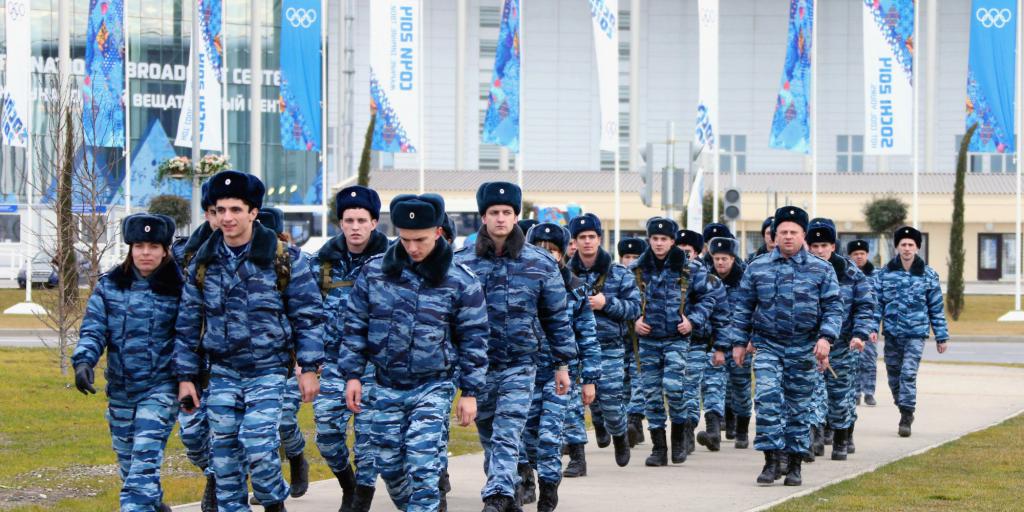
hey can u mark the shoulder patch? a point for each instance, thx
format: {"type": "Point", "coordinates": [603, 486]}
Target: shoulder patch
{"type": "Point", "coordinates": [466, 269]}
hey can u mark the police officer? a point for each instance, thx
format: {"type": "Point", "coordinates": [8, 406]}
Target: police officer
{"type": "Point", "coordinates": [130, 315]}
{"type": "Point", "coordinates": [249, 303]}
{"type": "Point", "coordinates": [789, 305]}
{"type": "Point", "coordinates": [615, 301]}
{"type": "Point", "coordinates": [418, 316]}
{"type": "Point", "coordinates": [692, 243]}
{"type": "Point", "coordinates": [769, 239]}
{"type": "Point", "coordinates": [335, 267]}
{"type": "Point", "coordinates": [676, 299]}
{"type": "Point", "coordinates": [909, 303]}
{"type": "Point", "coordinates": [522, 285]}
{"type": "Point", "coordinates": [858, 318]}
{"type": "Point", "coordinates": [858, 252]}
{"type": "Point", "coordinates": [629, 250]}
{"type": "Point", "coordinates": [715, 378]}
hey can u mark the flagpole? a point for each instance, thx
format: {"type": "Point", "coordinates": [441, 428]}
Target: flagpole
{"type": "Point", "coordinates": [1020, 152]}
{"type": "Point", "coordinates": [323, 118]}
{"type": "Point", "coordinates": [224, 82]}
{"type": "Point", "coordinates": [196, 152]}
{"type": "Point", "coordinates": [127, 115]}
{"type": "Point", "coordinates": [522, 87]}
{"type": "Point", "coordinates": [420, 85]}
{"type": "Point", "coordinates": [814, 109]}
{"type": "Point", "coordinates": [915, 151]}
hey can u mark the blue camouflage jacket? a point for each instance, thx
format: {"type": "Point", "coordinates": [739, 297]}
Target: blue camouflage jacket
{"type": "Point", "coordinates": [521, 285]}
{"type": "Point", "coordinates": [723, 340]}
{"type": "Point", "coordinates": [416, 322]}
{"type": "Point", "coordinates": [622, 297]}
{"type": "Point", "coordinates": [133, 320]}
{"type": "Point", "coordinates": [240, 319]}
{"type": "Point", "coordinates": [787, 300]}
{"type": "Point", "coordinates": [910, 302]}
{"type": "Point", "coordinates": [858, 301]}
{"type": "Point", "coordinates": [186, 248]}
{"type": "Point", "coordinates": [661, 293]}
{"type": "Point", "coordinates": [871, 274]}
{"type": "Point", "coordinates": [584, 326]}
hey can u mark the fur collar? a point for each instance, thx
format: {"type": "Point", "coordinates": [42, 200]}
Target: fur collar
{"type": "Point", "coordinates": [916, 268]}
{"type": "Point", "coordinates": [262, 249]}
{"type": "Point", "coordinates": [676, 260]}
{"type": "Point", "coordinates": [601, 265]}
{"type": "Point", "coordinates": [735, 275]}
{"type": "Point", "coordinates": [336, 249]}
{"type": "Point", "coordinates": [165, 280]}
{"type": "Point", "coordinates": [434, 268]}
{"type": "Point", "coordinates": [573, 284]}
{"type": "Point", "coordinates": [198, 237]}
{"type": "Point", "coordinates": [839, 264]}
{"type": "Point", "coordinates": [868, 268]}
{"type": "Point", "coordinates": [513, 244]}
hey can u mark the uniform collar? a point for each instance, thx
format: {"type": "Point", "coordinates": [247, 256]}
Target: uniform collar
{"type": "Point", "coordinates": [916, 268]}
{"type": "Point", "coordinates": [799, 257]}
{"type": "Point", "coordinates": [601, 264]}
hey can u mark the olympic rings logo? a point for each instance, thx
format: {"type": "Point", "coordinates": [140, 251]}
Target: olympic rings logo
{"type": "Point", "coordinates": [299, 17]}
{"type": "Point", "coordinates": [18, 10]}
{"type": "Point", "coordinates": [993, 17]}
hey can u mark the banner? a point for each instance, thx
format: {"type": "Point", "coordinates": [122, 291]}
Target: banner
{"type": "Point", "coordinates": [300, 99]}
{"type": "Point", "coordinates": [888, 77]}
{"type": "Point", "coordinates": [501, 124]}
{"type": "Point", "coordinates": [990, 75]}
{"type": "Point", "coordinates": [154, 149]}
{"type": "Point", "coordinates": [211, 76]}
{"type": "Point", "coordinates": [396, 66]}
{"type": "Point", "coordinates": [17, 98]}
{"type": "Point", "coordinates": [605, 15]}
{"type": "Point", "coordinates": [707, 86]}
{"type": "Point", "coordinates": [103, 96]}
{"type": "Point", "coordinates": [791, 126]}
{"type": "Point", "coordinates": [695, 205]}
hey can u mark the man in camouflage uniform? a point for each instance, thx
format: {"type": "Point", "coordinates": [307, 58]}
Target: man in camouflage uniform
{"type": "Point", "coordinates": [789, 305]}
{"type": "Point", "coordinates": [859, 252]}
{"type": "Point", "coordinates": [909, 303]}
{"type": "Point", "coordinates": [418, 316]}
{"type": "Point", "coordinates": [629, 250]}
{"type": "Point", "coordinates": [249, 304]}
{"type": "Point", "coordinates": [692, 243]}
{"type": "Point", "coordinates": [714, 378]}
{"type": "Point", "coordinates": [676, 299]}
{"type": "Point", "coordinates": [522, 285]}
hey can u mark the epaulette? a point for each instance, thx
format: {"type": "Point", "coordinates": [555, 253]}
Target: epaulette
{"type": "Point", "coordinates": [466, 268]}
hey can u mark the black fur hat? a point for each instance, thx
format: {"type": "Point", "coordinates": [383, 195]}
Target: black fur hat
{"type": "Point", "coordinates": [358, 196]}
{"type": "Point", "coordinates": [633, 246]}
{"type": "Point", "coordinates": [723, 245]}
{"type": "Point", "coordinates": [789, 214]}
{"type": "Point", "coordinates": [147, 227]}
{"type": "Point", "coordinates": [548, 232]}
{"type": "Point", "coordinates": [906, 232]}
{"type": "Point", "coordinates": [821, 230]}
{"type": "Point", "coordinates": [409, 211]}
{"type": "Point", "coordinates": [499, 192]}
{"type": "Point", "coordinates": [857, 245]}
{"type": "Point", "coordinates": [585, 222]}
{"type": "Point", "coordinates": [691, 238]}
{"type": "Point", "coordinates": [236, 185]}
{"type": "Point", "coordinates": [661, 226]}
{"type": "Point", "coordinates": [272, 218]}
{"type": "Point", "coordinates": [715, 230]}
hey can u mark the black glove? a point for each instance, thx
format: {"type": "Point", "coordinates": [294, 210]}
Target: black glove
{"type": "Point", "coordinates": [84, 378]}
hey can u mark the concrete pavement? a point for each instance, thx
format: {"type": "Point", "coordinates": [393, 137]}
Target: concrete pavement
{"type": "Point", "coordinates": [952, 401]}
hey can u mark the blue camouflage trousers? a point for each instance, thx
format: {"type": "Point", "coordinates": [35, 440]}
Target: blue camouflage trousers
{"type": "Point", "coordinates": [783, 394]}
{"type": "Point", "coordinates": [868, 369]}
{"type": "Point", "coordinates": [245, 414]}
{"type": "Point", "coordinates": [331, 416]}
{"type": "Point", "coordinates": [611, 397]}
{"type": "Point", "coordinates": [409, 435]}
{"type": "Point", "coordinates": [663, 369]}
{"type": "Point", "coordinates": [842, 395]}
{"type": "Point", "coordinates": [502, 407]}
{"type": "Point", "coordinates": [542, 437]}
{"type": "Point", "coordinates": [902, 359]}
{"type": "Point", "coordinates": [696, 360]}
{"type": "Point", "coordinates": [574, 429]}
{"type": "Point", "coordinates": [819, 402]}
{"type": "Point", "coordinates": [739, 391]}
{"type": "Point", "coordinates": [712, 386]}
{"type": "Point", "coordinates": [138, 432]}
{"type": "Point", "coordinates": [291, 436]}
{"type": "Point", "coordinates": [636, 394]}
{"type": "Point", "coordinates": [194, 431]}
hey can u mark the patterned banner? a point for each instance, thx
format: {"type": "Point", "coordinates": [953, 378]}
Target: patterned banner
{"type": "Point", "coordinates": [396, 66]}
{"type": "Point", "coordinates": [103, 107]}
{"type": "Point", "coordinates": [17, 98]}
{"type": "Point", "coordinates": [990, 75]}
{"type": "Point", "coordinates": [501, 125]}
{"type": "Point", "coordinates": [300, 99]}
{"type": "Point", "coordinates": [707, 106]}
{"type": "Point", "coordinates": [791, 127]}
{"type": "Point", "coordinates": [605, 14]}
{"type": "Point", "coordinates": [211, 76]}
{"type": "Point", "coordinates": [888, 76]}
{"type": "Point", "coordinates": [154, 149]}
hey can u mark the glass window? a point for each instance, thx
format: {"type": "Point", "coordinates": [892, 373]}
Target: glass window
{"type": "Point", "coordinates": [10, 228]}
{"type": "Point", "coordinates": [849, 153]}
{"type": "Point", "coordinates": [732, 153]}
{"type": "Point", "coordinates": [989, 257]}
{"type": "Point", "coordinates": [1009, 249]}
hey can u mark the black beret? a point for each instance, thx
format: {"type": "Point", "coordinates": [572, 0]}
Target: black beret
{"type": "Point", "coordinates": [526, 224]}
{"type": "Point", "coordinates": [236, 185]}
{"type": "Point", "coordinates": [585, 222]}
{"type": "Point", "coordinates": [715, 230]}
{"type": "Point", "coordinates": [661, 226]}
{"type": "Point", "coordinates": [907, 232]}
{"type": "Point", "coordinates": [358, 196]}
{"type": "Point", "coordinates": [272, 218]}
{"type": "Point", "coordinates": [147, 227]}
{"type": "Point", "coordinates": [631, 246]}
{"type": "Point", "coordinates": [789, 214]}
{"type": "Point", "coordinates": [691, 238]}
{"type": "Point", "coordinates": [548, 232]}
{"type": "Point", "coordinates": [204, 197]}
{"type": "Point", "coordinates": [499, 192]}
{"type": "Point", "coordinates": [821, 230]}
{"type": "Point", "coordinates": [767, 224]}
{"type": "Point", "coordinates": [448, 227]}
{"type": "Point", "coordinates": [857, 245]}
{"type": "Point", "coordinates": [424, 211]}
{"type": "Point", "coordinates": [721, 244]}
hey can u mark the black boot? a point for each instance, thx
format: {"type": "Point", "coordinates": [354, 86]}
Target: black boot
{"type": "Point", "coordinates": [742, 428]}
{"type": "Point", "coordinates": [165, 507]}
{"type": "Point", "coordinates": [621, 450]}
{"type": "Point", "coordinates": [850, 447]}
{"type": "Point", "coordinates": [603, 439]}
{"type": "Point", "coordinates": [526, 492]}
{"type": "Point", "coordinates": [499, 503]}
{"type": "Point", "coordinates": [783, 462]}
{"type": "Point", "coordinates": [659, 453]}
{"type": "Point", "coordinates": [828, 434]}
{"type": "Point", "coordinates": [870, 401]}
{"type": "Point", "coordinates": [577, 466]}
{"type": "Point", "coordinates": [906, 419]}
{"type": "Point", "coordinates": [635, 429]}
{"type": "Point", "coordinates": [299, 475]}
{"type": "Point", "coordinates": [548, 495]}
{"type": "Point", "coordinates": [793, 474]}
{"type": "Point", "coordinates": [275, 507]}
{"type": "Point", "coordinates": [679, 442]}
{"type": "Point", "coordinates": [730, 424]}
{"type": "Point", "coordinates": [839, 444]}
{"type": "Point", "coordinates": [817, 441]}
{"type": "Point", "coordinates": [444, 486]}
{"type": "Point", "coordinates": [769, 473]}
{"type": "Point", "coordinates": [711, 436]}
{"type": "Point", "coordinates": [347, 481]}
{"type": "Point", "coordinates": [209, 503]}
{"type": "Point", "coordinates": [363, 498]}
{"type": "Point", "coordinates": [691, 437]}
{"type": "Point", "coordinates": [639, 421]}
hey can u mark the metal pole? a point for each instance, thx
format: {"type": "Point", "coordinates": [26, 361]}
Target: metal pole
{"type": "Point", "coordinates": [460, 84]}
{"type": "Point", "coordinates": [618, 197]}
{"type": "Point", "coordinates": [1020, 152]}
{"type": "Point", "coordinates": [814, 109]}
{"type": "Point", "coordinates": [420, 68]}
{"type": "Point", "coordinates": [127, 117]}
{"type": "Point", "coordinates": [196, 152]}
{"type": "Point", "coordinates": [915, 150]}
{"type": "Point", "coordinates": [225, 147]}
{"type": "Point", "coordinates": [670, 153]}
{"type": "Point", "coordinates": [256, 89]}
{"type": "Point", "coordinates": [634, 84]}
{"type": "Point", "coordinates": [323, 117]}
{"type": "Point", "coordinates": [931, 72]}
{"type": "Point", "coordinates": [522, 88]}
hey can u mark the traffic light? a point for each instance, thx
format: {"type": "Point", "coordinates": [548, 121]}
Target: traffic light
{"type": "Point", "coordinates": [731, 210]}
{"type": "Point", "coordinates": [647, 174]}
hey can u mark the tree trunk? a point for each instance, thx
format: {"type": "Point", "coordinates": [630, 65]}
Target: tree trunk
{"type": "Point", "coordinates": [64, 256]}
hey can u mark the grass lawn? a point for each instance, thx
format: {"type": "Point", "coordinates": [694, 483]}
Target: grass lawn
{"type": "Point", "coordinates": [55, 449]}
{"type": "Point", "coordinates": [980, 472]}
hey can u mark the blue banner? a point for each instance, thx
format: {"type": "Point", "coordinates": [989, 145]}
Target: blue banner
{"type": "Point", "coordinates": [96, 177]}
{"type": "Point", "coordinates": [791, 126]}
{"type": "Point", "coordinates": [154, 149]}
{"type": "Point", "coordinates": [300, 75]}
{"type": "Point", "coordinates": [103, 108]}
{"type": "Point", "coordinates": [501, 126]}
{"type": "Point", "coordinates": [990, 75]}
